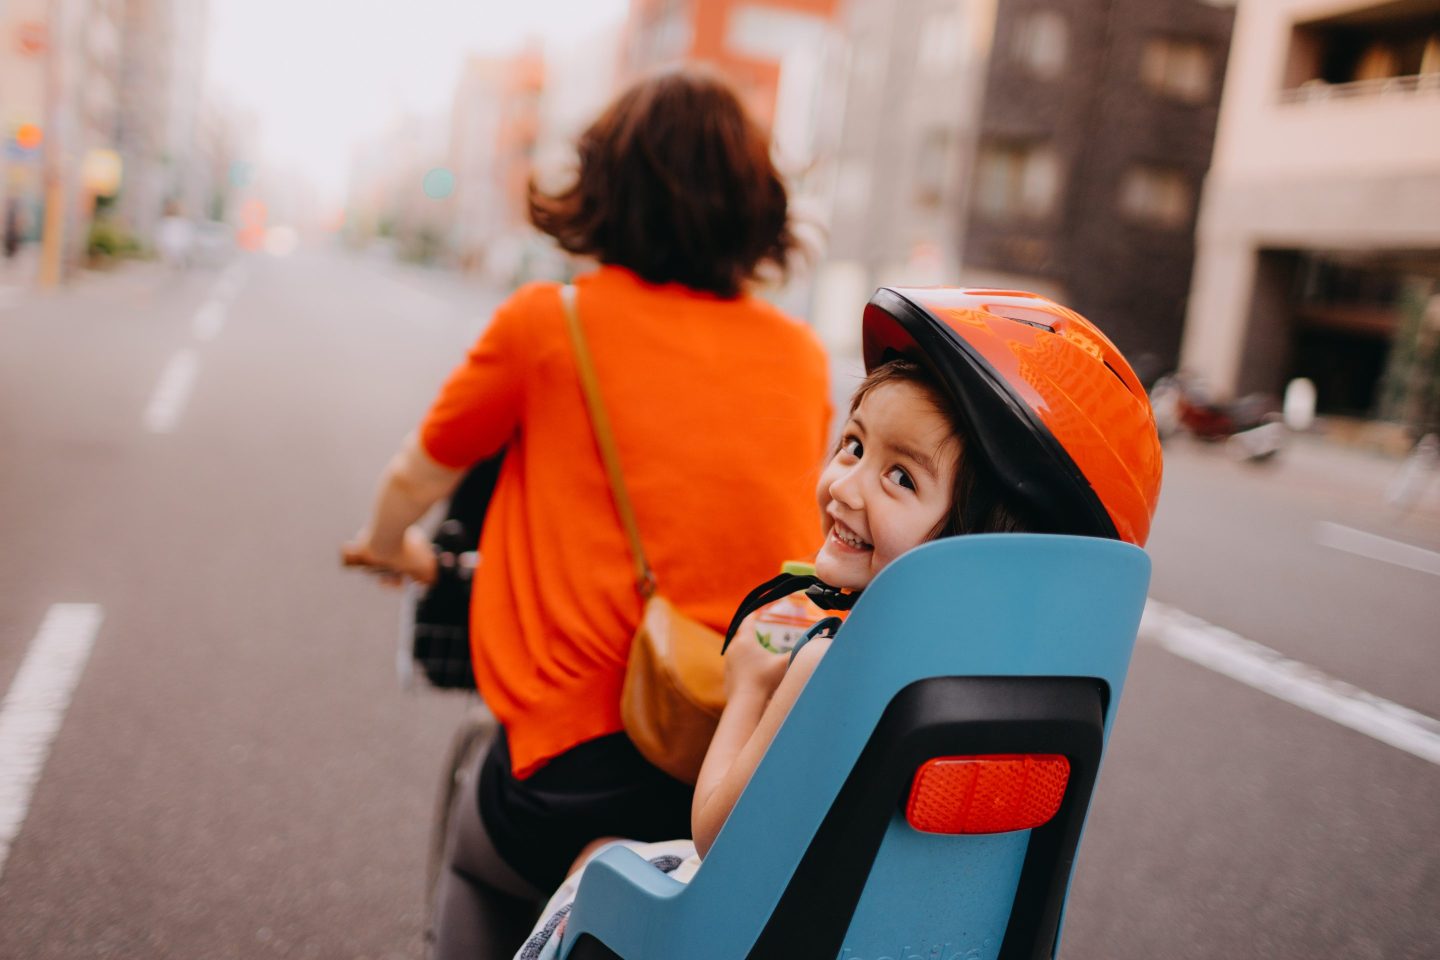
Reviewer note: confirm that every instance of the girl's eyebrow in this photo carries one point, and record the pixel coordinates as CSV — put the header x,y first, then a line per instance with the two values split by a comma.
x,y
924,460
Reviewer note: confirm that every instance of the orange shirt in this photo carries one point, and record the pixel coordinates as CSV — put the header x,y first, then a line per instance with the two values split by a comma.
x,y
721,412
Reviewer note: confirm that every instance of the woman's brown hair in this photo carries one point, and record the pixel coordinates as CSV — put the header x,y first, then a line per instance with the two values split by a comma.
x,y
675,184
978,502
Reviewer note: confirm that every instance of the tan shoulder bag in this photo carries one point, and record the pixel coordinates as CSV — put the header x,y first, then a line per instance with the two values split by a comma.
x,y
675,677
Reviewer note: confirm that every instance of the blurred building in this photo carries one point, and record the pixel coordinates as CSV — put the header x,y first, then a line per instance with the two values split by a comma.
x,y
1096,130
580,80
142,123
901,92
475,119
1055,145
83,76
747,40
401,190
189,184
1051,145
1319,239
226,143
24,41
161,79
107,95
494,130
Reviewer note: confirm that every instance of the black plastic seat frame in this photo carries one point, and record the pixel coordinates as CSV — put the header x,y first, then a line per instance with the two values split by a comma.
x,y
938,717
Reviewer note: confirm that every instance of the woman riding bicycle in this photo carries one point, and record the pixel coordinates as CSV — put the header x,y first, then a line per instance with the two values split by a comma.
x,y
719,406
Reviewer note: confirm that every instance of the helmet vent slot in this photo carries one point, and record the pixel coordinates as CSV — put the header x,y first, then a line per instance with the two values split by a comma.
x,y
1039,319
1117,375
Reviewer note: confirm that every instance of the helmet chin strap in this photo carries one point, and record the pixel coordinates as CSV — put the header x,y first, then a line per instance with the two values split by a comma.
x,y
820,593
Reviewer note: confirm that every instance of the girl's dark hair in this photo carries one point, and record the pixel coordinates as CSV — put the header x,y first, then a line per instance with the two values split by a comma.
x,y
675,184
978,502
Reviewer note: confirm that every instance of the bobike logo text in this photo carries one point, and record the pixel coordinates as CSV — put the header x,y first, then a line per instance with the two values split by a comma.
x,y
939,951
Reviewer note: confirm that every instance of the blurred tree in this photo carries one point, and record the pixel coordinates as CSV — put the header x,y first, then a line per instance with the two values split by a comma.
x,y
1410,392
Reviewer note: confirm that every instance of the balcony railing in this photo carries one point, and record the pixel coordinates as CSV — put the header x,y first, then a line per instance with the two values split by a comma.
x,y
1316,90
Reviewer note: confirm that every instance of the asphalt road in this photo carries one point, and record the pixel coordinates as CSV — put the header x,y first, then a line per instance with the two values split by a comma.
x,y
237,774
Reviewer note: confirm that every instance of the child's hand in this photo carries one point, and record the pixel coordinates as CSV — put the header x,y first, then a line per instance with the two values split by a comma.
x,y
748,665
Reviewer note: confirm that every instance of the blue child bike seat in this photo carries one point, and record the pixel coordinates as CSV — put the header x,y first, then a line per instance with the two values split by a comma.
x,y
982,646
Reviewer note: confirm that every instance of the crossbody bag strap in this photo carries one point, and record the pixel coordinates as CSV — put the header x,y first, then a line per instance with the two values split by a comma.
x,y
605,440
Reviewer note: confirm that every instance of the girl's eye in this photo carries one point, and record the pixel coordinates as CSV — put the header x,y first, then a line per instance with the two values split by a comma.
x,y
853,447
897,475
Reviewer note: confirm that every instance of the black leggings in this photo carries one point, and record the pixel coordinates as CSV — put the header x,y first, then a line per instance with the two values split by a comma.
x,y
512,841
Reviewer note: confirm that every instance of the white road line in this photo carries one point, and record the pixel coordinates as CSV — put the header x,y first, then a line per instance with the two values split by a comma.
x,y
1363,544
168,400
1304,686
208,321
33,710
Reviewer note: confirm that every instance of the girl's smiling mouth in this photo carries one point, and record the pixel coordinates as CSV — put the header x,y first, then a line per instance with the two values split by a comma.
x,y
848,539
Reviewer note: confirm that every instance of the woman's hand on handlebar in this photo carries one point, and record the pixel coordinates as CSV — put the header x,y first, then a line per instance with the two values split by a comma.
x,y
415,560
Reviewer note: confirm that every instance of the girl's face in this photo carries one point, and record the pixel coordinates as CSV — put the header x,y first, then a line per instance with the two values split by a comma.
x,y
888,486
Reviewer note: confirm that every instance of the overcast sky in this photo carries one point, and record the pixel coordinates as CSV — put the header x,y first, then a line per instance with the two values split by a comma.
x,y
321,74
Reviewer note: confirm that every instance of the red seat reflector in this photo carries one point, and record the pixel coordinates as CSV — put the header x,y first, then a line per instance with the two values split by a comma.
x,y
994,793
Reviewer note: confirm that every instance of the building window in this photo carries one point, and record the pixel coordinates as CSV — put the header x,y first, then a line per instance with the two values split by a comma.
x,y
1384,48
1180,69
1041,42
1017,179
1158,196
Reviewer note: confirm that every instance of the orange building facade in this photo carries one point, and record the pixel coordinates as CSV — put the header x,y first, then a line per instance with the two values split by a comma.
x,y
745,39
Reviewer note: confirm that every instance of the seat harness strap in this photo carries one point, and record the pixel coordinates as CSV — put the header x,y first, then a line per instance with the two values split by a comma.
x,y
820,593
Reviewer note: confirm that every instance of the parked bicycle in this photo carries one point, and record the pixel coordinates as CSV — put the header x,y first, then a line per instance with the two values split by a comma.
x,y
1415,475
1251,426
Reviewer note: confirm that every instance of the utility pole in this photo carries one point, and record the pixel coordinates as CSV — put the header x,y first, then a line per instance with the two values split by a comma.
x,y
52,240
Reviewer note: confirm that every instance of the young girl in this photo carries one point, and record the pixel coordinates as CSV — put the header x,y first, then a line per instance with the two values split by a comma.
x,y
927,452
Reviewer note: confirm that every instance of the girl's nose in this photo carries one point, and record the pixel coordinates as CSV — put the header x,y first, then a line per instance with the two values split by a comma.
x,y
846,488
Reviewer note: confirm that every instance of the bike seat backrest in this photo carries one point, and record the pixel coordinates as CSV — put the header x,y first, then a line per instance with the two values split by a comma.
x,y
973,646
956,829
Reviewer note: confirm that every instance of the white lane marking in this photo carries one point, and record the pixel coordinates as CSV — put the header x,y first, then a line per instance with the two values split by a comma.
x,y
1363,544
1297,683
33,710
230,282
208,321
168,400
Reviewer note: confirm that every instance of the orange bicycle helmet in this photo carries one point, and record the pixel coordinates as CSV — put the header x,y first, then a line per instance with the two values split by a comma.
x,y
1051,405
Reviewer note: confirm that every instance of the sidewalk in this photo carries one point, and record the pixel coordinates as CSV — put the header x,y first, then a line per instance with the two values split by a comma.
x,y
1358,457
1319,465
17,275
1372,436
18,283
122,279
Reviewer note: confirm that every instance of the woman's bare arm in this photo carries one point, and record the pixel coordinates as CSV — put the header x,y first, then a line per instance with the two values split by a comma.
x,y
410,485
